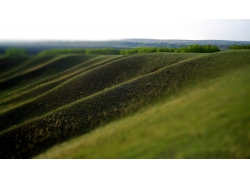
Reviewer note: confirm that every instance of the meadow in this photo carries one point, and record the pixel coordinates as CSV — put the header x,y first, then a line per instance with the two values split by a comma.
x,y
142,105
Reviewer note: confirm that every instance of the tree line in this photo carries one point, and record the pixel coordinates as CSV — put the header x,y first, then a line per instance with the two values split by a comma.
x,y
235,47
15,52
146,50
195,48
100,51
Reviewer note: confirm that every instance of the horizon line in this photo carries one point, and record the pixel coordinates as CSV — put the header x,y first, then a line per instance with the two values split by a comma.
x,y
125,39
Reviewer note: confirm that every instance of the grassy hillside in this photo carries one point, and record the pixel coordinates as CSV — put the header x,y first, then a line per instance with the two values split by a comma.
x,y
37,88
206,121
45,102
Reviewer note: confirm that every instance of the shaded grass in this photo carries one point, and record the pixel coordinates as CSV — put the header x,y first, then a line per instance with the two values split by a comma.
x,y
86,84
10,64
40,71
38,88
26,64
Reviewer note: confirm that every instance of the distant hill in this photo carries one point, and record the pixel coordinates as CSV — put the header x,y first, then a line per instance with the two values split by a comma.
x,y
33,47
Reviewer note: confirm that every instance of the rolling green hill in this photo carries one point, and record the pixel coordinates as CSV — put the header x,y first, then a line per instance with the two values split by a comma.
x,y
159,105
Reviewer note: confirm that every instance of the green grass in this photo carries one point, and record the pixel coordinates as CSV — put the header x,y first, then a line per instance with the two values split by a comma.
x,y
10,64
96,80
89,91
38,70
38,88
210,120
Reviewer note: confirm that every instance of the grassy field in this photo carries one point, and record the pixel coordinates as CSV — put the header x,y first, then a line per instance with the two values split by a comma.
x,y
159,105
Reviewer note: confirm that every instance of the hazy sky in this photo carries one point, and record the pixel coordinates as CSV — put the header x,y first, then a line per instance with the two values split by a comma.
x,y
119,19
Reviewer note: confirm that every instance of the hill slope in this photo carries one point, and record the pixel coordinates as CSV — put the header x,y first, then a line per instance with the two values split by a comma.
x,y
205,121
79,96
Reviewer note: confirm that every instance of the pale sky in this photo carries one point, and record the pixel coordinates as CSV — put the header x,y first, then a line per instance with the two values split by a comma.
x,y
120,19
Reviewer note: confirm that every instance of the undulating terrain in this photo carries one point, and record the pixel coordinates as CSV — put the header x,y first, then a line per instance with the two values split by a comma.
x,y
158,105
